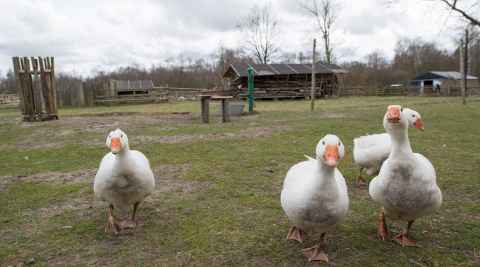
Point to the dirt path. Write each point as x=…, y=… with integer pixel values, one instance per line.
x=90, y=130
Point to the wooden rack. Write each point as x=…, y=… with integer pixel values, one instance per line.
x=36, y=89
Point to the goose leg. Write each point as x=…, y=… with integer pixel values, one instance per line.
x=296, y=234
x=111, y=223
x=382, y=231
x=135, y=207
x=317, y=252
x=403, y=239
x=128, y=224
x=360, y=182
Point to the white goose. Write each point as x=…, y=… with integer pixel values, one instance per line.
x=314, y=195
x=123, y=179
x=406, y=186
x=370, y=151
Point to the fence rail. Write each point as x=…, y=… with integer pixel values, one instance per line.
x=7, y=99
x=174, y=93
x=407, y=91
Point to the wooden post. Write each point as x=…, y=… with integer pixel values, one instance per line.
x=312, y=91
x=53, y=90
x=465, y=69
x=30, y=102
x=251, y=88
x=225, y=110
x=205, y=103
x=47, y=84
x=37, y=88
x=462, y=71
x=27, y=98
x=18, y=82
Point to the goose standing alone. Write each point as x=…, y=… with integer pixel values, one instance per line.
x=370, y=151
x=314, y=195
x=123, y=179
x=406, y=186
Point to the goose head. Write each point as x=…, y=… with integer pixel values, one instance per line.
x=414, y=118
x=330, y=150
x=117, y=141
x=395, y=119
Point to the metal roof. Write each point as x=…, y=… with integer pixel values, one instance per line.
x=241, y=69
x=450, y=75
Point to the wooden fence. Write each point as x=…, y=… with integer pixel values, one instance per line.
x=176, y=93
x=302, y=92
x=356, y=91
x=75, y=93
x=153, y=97
x=9, y=99
x=406, y=91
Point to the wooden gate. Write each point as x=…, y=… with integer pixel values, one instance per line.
x=35, y=79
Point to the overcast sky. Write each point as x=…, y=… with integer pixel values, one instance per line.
x=90, y=35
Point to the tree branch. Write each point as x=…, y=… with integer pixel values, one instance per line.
x=453, y=6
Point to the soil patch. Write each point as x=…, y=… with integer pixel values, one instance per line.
x=249, y=133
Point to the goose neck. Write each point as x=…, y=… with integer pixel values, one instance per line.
x=400, y=143
x=326, y=175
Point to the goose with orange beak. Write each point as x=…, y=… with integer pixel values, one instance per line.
x=406, y=186
x=124, y=179
x=370, y=151
x=314, y=196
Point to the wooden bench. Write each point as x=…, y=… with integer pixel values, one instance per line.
x=205, y=104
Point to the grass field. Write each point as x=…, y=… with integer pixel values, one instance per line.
x=218, y=189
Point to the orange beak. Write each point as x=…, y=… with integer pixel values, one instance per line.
x=419, y=124
x=393, y=114
x=115, y=145
x=331, y=155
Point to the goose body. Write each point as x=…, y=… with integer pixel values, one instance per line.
x=406, y=185
x=370, y=151
x=314, y=195
x=124, y=179
x=314, y=199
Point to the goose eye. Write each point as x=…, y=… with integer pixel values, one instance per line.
x=401, y=109
x=121, y=136
x=413, y=115
x=339, y=144
x=323, y=142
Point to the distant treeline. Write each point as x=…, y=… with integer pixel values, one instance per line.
x=411, y=58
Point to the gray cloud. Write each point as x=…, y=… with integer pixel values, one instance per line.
x=94, y=35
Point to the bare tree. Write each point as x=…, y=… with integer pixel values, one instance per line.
x=260, y=28
x=453, y=4
x=324, y=13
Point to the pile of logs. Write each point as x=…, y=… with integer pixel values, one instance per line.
x=286, y=86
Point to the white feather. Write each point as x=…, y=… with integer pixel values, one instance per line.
x=308, y=157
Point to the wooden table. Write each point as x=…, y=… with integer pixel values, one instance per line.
x=205, y=104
